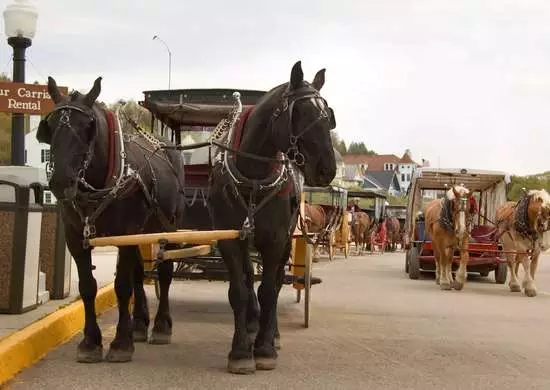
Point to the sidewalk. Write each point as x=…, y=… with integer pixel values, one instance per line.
x=105, y=261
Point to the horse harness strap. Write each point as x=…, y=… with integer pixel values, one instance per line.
x=446, y=220
x=99, y=199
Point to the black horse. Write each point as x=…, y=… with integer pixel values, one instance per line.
x=294, y=120
x=112, y=184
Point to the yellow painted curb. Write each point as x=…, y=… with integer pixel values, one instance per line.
x=28, y=345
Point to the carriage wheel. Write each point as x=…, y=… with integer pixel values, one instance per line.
x=414, y=263
x=501, y=273
x=157, y=288
x=307, y=282
x=298, y=296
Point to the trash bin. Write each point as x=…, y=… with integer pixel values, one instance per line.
x=55, y=258
x=20, y=220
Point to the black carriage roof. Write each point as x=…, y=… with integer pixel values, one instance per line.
x=195, y=107
x=368, y=193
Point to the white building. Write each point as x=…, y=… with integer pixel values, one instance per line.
x=405, y=170
x=37, y=154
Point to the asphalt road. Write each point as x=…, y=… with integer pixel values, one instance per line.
x=372, y=328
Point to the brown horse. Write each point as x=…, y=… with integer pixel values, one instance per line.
x=315, y=219
x=359, y=228
x=394, y=232
x=522, y=226
x=447, y=223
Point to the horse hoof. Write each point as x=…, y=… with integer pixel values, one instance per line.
x=445, y=286
x=515, y=288
x=94, y=355
x=458, y=285
x=158, y=338
x=139, y=336
x=119, y=355
x=241, y=366
x=266, y=363
x=277, y=342
x=531, y=292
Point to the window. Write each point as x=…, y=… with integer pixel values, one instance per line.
x=408, y=177
x=45, y=155
x=402, y=177
x=47, y=197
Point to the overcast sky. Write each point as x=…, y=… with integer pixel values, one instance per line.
x=461, y=83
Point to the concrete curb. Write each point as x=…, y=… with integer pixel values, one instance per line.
x=28, y=345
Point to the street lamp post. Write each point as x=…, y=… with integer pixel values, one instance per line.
x=20, y=26
x=169, y=59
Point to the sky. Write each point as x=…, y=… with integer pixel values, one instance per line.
x=459, y=83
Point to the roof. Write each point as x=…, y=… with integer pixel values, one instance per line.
x=406, y=159
x=375, y=162
x=473, y=179
x=367, y=193
x=385, y=178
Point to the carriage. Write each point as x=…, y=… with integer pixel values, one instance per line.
x=373, y=203
x=335, y=232
x=485, y=252
x=189, y=117
x=146, y=195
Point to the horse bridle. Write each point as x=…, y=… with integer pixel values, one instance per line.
x=290, y=98
x=65, y=121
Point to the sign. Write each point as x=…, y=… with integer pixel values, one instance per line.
x=26, y=98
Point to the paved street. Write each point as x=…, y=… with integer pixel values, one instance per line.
x=372, y=328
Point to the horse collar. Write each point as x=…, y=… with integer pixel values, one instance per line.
x=521, y=222
x=446, y=219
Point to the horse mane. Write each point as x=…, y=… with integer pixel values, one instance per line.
x=458, y=188
x=541, y=195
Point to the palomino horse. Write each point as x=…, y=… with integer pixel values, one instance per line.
x=315, y=219
x=394, y=232
x=359, y=228
x=522, y=227
x=448, y=225
x=288, y=131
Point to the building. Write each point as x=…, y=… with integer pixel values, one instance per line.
x=383, y=180
x=37, y=154
x=406, y=167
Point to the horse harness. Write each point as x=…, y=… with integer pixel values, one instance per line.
x=288, y=161
x=90, y=204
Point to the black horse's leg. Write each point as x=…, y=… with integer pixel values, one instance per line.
x=240, y=359
x=273, y=257
x=140, y=316
x=280, y=280
x=122, y=347
x=90, y=349
x=162, y=328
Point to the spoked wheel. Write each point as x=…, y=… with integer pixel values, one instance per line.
x=307, y=283
x=157, y=288
x=414, y=263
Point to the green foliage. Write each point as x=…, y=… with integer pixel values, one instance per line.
x=400, y=200
x=532, y=182
x=359, y=148
x=338, y=143
x=134, y=111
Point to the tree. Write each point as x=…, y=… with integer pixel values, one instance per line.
x=134, y=111
x=533, y=182
x=338, y=143
x=359, y=148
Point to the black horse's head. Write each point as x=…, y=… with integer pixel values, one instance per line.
x=303, y=126
x=70, y=129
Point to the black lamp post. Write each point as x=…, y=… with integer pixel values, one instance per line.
x=20, y=26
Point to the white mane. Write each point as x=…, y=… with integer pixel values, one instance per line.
x=540, y=195
x=458, y=188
